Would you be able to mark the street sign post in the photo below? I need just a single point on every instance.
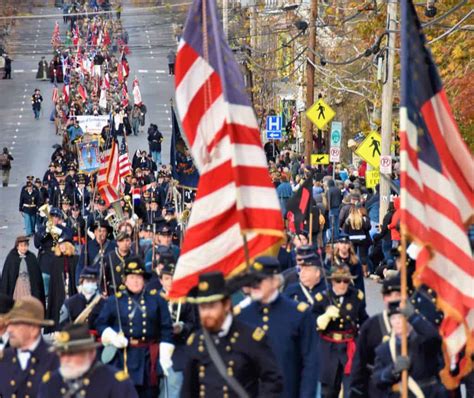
(320, 114)
(319, 158)
(370, 149)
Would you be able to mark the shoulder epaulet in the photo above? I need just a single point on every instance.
(118, 294)
(258, 334)
(302, 307)
(237, 310)
(153, 292)
(121, 375)
(46, 377)
(360, 295)
(190, 339)
(319, 297)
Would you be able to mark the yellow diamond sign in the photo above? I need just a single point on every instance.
(320, 114)
(370, 149)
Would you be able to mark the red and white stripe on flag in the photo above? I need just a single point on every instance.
(108, 179)
(436, 207)
(125, 168)
(55, 95)
(235, 195)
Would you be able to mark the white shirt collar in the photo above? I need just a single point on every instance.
(226, 326)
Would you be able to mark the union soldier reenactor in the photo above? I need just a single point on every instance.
(28, 358)
(310, 281)
(289, 326)
(115, 260)
(340, 311)
(373, 332)
(227, 357)
(96, 250)
(80, 374)
(136, 321)
(424, 360)
(86, 304)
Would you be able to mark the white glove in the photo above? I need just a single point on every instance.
(56, 230)
(166, 352)
(111, 337)
(332, 312)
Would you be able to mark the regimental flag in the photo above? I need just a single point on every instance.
(235, 194)
(437, 177)
(108, 180)
(298, 206)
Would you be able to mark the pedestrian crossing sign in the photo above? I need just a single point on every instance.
(370, 149)
(320, 114)
(319, 158)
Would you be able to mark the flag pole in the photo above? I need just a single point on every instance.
(404, 288)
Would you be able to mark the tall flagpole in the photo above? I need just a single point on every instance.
(404, 288)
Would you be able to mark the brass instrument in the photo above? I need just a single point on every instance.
(45, 211)
(115, 218)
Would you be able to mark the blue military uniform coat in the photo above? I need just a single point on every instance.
(291, 332)
(352, 315)
(145, 319)
(93, 256)
(18, 383)
(101, 381)
(247, 357)
(295, 291)
(424, 349)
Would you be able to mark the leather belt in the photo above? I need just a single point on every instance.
(25, 205)
(141, 342)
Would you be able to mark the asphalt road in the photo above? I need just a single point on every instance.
(31, 141)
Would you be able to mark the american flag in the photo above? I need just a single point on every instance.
(108, 180)
(125, 167)
(235, 195)
(66, 92)
(437, 176)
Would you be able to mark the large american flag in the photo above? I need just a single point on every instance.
(108, 179)
(235, 194)
(437, 176)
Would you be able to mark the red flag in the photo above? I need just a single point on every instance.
(55, 94)
(235, 195)
(436, 193)
(82, 92)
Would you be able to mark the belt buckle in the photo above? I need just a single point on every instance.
(337, 336)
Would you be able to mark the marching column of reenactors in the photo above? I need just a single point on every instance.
(89, 315)
(118, 334)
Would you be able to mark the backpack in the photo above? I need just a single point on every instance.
(4, 160)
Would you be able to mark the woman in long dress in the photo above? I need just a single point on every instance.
(61, 283)
(21, 274)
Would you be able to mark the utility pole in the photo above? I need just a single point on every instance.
(310, 61)
(387, 106)
(387, 102)
(225, 18)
